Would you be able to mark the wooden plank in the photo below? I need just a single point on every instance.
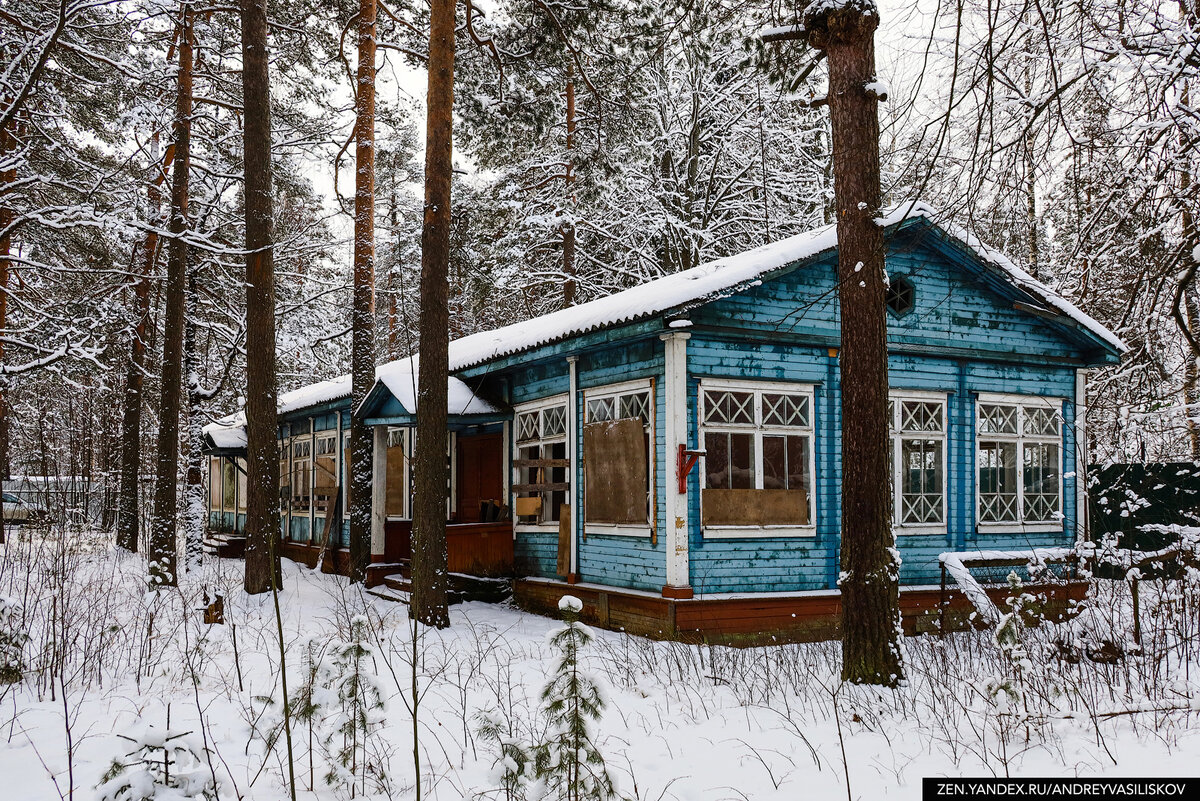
(555, 487)
(564, 541)
(541, 463)
(615, 480)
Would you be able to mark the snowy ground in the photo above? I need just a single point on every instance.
(683, 722)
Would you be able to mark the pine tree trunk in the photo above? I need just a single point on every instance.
(7, 145)
(162, 545)
(131, 416)
(870, 581)
(429, 508)
(262, 431)
(362, 356)
(568, 228)
(193, 487)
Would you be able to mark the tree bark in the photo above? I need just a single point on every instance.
(193, 487)
(131, 416)
(428, 603)
(568, 228)
(8, 144)
(262, 431)
(870, 573)
(162, 545)
(362, 355)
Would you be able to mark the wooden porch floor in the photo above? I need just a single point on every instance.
(754, 619)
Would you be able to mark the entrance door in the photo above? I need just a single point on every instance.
(480, 474)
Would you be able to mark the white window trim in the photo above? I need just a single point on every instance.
(924, 396)
(623, 529)
(758, 387)
(1052, 403)
(562, 399)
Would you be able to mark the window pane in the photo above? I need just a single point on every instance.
(716, 461)
(554, 421)
(1040, 421)
(634, 406)
(1041, 482)
(920, 416)
(996, 419)
(997, 482)
(921, 481)
(527, 426)
(797, 458)
(775, 468)
(729, 407)
(784, 410)
(741, 458)
(600, 410)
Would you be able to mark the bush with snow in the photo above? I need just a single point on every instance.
(160, 765)
(12, 641)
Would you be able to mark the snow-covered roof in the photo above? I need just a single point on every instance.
(229, 433)
(725, 276)
(678, 291)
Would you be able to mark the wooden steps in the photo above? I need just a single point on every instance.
(226, 546)
(398, 585)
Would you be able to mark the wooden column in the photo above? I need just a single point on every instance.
(675, 431)
(1081, 455)
(378, 493)
(573, 457)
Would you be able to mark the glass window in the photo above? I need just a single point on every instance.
(1029, 435)
(918, 459)
(542, 468)
(758, 445)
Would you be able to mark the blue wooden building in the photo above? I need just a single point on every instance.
(673, 450)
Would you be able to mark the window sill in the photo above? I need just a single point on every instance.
(757, 532)
(1020, 528)
(536, 528)
(919, 530)
(616, 530)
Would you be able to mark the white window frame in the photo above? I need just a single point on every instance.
(538, 406)
(1020, 438)
(757, 428)
(614, 391)
(896, 436)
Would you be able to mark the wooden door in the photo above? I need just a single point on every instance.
(480, 476)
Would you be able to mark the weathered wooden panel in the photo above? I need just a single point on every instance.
(753, 507)
(615, 471)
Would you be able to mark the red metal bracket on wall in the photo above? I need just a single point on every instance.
(687, 460)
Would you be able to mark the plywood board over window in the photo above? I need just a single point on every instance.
(615, 471)
(397, 488)
(755, 507)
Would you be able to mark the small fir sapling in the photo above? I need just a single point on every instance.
(1007, 691)
(12, 641)
(359, 713)
(511, 770)
(310, 700)
(567, 765)
(161, 765)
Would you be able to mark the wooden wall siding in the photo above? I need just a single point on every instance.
(954, 310)
(299, 527)
(536, 553)
(794, 564)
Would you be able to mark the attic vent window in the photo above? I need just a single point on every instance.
(901, 296)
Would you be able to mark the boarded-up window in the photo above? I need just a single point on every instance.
(616, 472)
(758, 455)
(301, 474)
(397, 487)
(241, 477)
(543, 475)
(285, 474)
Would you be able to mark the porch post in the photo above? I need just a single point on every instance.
(1081, 456)
(573, 458)
(675, 432)
(378, 492)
